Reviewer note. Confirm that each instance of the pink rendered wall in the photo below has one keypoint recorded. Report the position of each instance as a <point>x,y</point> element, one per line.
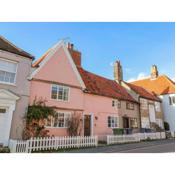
<point>58,69</point>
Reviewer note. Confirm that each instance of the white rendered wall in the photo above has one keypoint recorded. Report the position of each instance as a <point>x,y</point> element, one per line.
<point>169,111</point>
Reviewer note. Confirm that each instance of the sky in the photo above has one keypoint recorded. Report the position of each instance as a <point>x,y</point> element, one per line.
<point>136,45</point>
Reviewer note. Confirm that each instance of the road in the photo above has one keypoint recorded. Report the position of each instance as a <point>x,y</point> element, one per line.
<point>159,146</point>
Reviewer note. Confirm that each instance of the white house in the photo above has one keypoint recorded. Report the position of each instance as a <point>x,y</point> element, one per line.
<point>164,88</point>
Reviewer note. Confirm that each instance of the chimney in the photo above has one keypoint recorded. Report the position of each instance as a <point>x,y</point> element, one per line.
<point>76,55</point>
<point>118,72</point>
<point>154,72</point>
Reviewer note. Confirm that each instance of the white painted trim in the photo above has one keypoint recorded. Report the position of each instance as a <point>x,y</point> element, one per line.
<point>49,56</point>
<point>59,99</point>
<point>74,67</point>
<point>55,127</point>
<point>14,62</point>
<point>92,124</point>
<point>10,94</point>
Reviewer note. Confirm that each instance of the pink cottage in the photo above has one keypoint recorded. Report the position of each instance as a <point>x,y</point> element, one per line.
<point>102,103</point>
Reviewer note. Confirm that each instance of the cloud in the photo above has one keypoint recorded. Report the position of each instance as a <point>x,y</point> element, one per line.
<point>173,79</point>
<point>140,76</point>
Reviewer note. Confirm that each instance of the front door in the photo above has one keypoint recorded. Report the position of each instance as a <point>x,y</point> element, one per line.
<point>152,114</point>
<point>87,125</point>
<point>125,122</point>
<point>3,127</point>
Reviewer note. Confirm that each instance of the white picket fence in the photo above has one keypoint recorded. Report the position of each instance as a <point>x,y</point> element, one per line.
<point>137,137</point>
<point>49,143</point>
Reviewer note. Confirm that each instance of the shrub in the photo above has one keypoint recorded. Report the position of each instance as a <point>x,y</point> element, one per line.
<point>166,126</point>
<point>4,150</point>
<point>118,131</point>
<point>74,124</point>
<point>37,114</point>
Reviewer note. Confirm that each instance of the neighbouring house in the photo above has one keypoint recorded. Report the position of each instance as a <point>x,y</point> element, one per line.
<point>151,111</point>
<point>15,67</point>
<point>59,78</point>
<point>164,88</point>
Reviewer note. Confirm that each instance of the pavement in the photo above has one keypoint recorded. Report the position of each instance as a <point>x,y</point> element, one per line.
<point>158,146</point>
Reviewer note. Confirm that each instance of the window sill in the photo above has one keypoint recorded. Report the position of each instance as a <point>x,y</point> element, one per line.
<point>10,84</point>
<point>59,100</point>
<point>49,127</point>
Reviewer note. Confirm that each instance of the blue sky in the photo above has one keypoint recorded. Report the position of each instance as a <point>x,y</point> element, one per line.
<point>137,45</point>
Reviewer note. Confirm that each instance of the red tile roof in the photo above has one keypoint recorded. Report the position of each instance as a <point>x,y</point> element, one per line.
<point>98,85</point>
<point>160,86</point>
<point>143,93</point>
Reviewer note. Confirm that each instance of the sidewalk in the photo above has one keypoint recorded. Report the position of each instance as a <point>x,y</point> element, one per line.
<point>123,147</point>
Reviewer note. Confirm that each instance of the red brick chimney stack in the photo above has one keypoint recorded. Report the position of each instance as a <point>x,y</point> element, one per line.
<point>76,55</point>
<point>118,72</point>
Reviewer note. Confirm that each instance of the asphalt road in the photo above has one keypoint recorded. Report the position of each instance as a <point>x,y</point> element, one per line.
<point>159,146</point>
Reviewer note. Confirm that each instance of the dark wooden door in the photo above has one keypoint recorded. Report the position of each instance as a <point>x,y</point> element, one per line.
<point>87,125</point>
<point>125,122</point>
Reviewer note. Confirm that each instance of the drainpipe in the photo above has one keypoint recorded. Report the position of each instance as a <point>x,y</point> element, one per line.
<point>140,113</point>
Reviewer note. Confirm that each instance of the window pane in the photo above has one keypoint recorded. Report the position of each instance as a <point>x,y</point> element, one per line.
<point>60,93</point>
<point>2,75</point>
<point>8,66</point>
<point>60,120</point>
<point>65,95</point>
<point>54,92</point>
<point>173,100</point>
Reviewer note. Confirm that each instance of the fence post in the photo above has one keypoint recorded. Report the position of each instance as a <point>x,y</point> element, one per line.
<point>96,141</point>
<point>12,146</point>
<point>27,146</point>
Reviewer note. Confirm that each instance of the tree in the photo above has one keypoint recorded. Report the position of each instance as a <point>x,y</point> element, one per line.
<point>37,114</point>
<point>74,124</point>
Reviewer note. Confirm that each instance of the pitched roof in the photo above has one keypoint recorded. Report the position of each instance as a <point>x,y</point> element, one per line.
<point>98,85</point>
<point>9,47</point>
<point>160,86</point>
<point>37,62</point>
<point>143,92</point>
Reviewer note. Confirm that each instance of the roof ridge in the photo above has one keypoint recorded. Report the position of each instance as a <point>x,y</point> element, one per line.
<point>169,80</point>
<point>96,74</point>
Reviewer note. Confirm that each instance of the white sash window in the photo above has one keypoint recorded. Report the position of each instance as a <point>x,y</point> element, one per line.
<point>8,71</point>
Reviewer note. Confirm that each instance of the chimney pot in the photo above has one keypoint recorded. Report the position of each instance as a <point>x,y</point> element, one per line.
<point>154,72</point>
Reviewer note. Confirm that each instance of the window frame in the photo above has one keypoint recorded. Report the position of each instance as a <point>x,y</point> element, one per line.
<point>171,98</point>
<point>10,61</point>
<point>129,108</point>
<point>61,100</point>
<point>157,108</point>
<point>53,121</point>
<point>143,104</point>
<point>131,121</point>
<point>115,119</point>
<point>116,103</point>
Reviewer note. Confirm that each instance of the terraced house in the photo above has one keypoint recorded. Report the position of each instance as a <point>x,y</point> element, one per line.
<point>15,67</point>
<point>151,111</point>
<point>164,88</point>
<point>103,104</point>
